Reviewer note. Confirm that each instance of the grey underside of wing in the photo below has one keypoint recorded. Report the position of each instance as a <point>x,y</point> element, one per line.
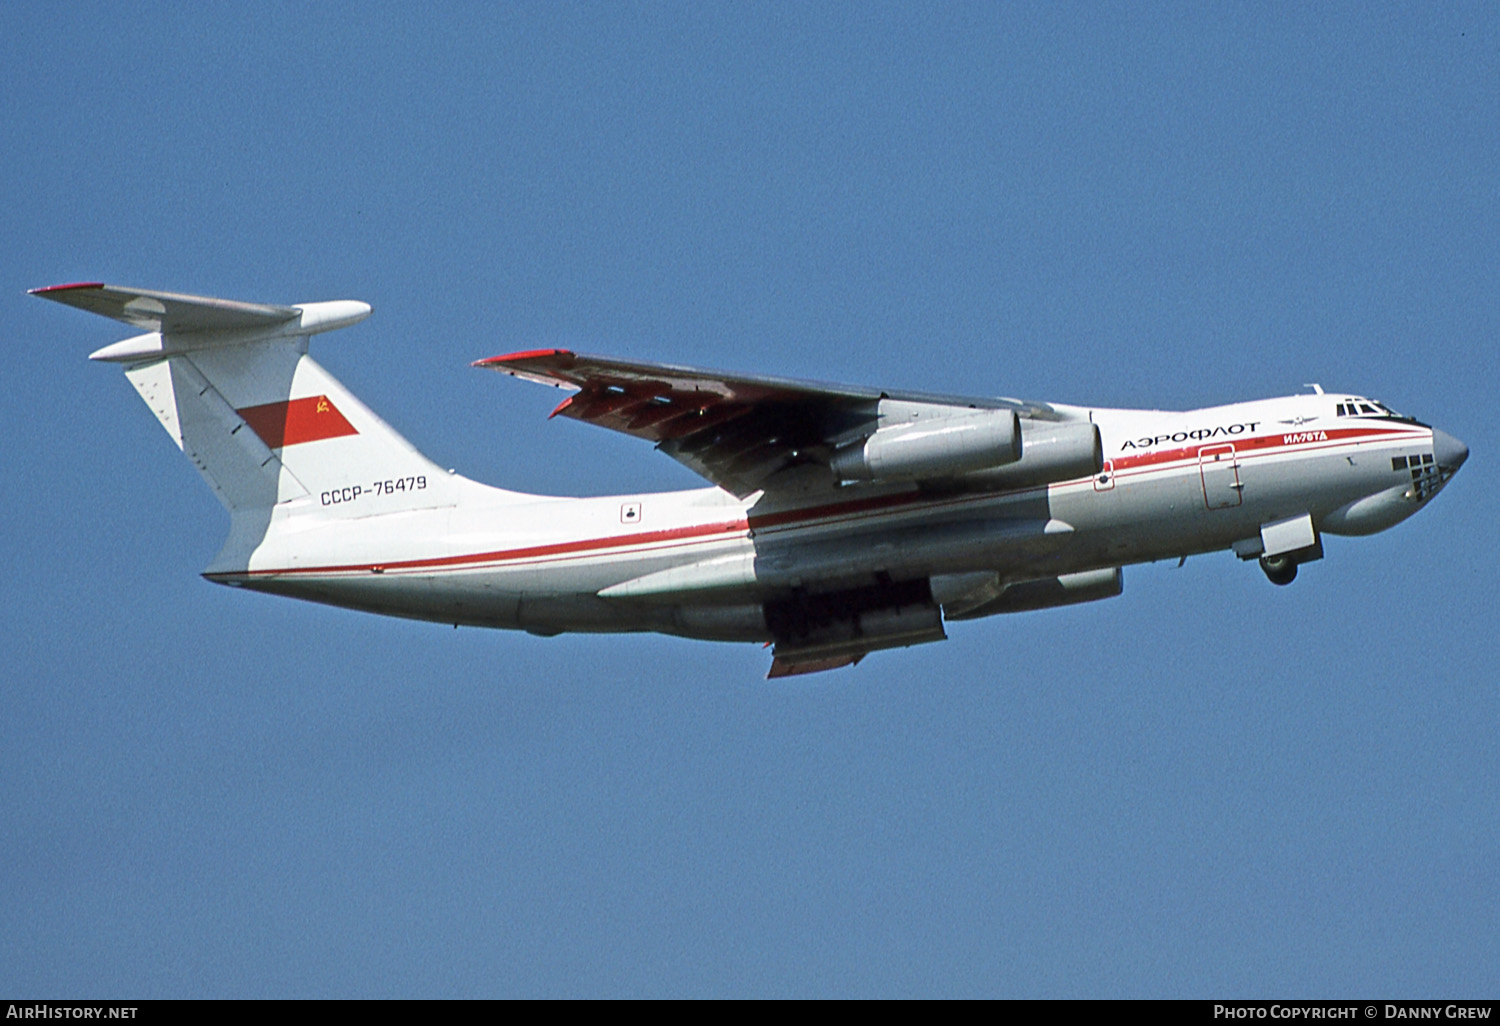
<point>814,390</point>
<point>744,453</point>
<point>736,430</point>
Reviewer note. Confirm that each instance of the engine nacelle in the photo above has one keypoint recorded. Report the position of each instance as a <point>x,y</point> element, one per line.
<point>1088,586</point>
<point>1050,451</point>
<point>942,447</point>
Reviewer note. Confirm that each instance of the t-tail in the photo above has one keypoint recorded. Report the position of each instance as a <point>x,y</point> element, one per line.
<point>276,437</point>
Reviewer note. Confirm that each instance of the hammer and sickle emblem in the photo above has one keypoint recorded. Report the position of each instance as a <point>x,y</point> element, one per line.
<point>322,404</point>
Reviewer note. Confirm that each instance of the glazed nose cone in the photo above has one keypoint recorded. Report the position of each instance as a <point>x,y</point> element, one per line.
<point>1449,452</point>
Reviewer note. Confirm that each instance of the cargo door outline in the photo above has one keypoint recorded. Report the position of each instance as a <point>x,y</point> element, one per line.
<point>1219,467</point>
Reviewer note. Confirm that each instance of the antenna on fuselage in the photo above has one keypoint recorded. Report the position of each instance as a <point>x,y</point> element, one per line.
<point>1314,386</point>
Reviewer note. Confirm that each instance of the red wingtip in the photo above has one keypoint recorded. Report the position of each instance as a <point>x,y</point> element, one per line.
<point>64,288</point>
<point>529,354</point>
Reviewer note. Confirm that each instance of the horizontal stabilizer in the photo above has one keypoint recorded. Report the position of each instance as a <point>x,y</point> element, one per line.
<point>166,312</point>
<point>179,323</point>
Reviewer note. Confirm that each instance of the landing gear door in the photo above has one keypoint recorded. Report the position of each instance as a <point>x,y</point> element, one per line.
<point>1221,476</point>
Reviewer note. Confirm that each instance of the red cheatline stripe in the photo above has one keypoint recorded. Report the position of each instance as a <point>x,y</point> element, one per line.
<point>297,420</point>
<point>1261,442</point>
<point>802,516</point>
<point>632,540</point>
<point>530,552</point>
<point>837,509</point>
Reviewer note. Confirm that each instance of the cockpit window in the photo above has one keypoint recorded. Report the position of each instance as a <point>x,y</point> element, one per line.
<point>1365,408</point>
<point>1361,407</point>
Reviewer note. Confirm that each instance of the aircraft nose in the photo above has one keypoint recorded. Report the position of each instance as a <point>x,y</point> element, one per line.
<point>1449,452</point>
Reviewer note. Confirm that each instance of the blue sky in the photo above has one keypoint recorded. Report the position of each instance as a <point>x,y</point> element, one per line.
<point>1207,787</point>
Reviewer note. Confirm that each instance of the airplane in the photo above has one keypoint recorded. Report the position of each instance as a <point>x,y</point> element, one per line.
<point>839,520</point>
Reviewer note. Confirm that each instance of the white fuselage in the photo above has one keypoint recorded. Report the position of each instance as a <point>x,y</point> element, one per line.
<point>702,563</point>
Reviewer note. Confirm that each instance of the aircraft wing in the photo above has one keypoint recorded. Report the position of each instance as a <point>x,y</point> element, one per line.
<point>736,430</point>
<point>166,311</point>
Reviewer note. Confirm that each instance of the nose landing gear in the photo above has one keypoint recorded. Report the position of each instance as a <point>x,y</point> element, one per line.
<point>1280,569</point>
<point>1283,545</point>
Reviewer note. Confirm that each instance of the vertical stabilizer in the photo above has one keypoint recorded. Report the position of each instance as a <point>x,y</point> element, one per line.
<point>267,427</point>
<point>235,461</point>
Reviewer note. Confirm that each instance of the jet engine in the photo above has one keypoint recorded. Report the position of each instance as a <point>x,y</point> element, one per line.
<point>1050,451</point>
<point>942,447</point>
<point>979,448</point>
